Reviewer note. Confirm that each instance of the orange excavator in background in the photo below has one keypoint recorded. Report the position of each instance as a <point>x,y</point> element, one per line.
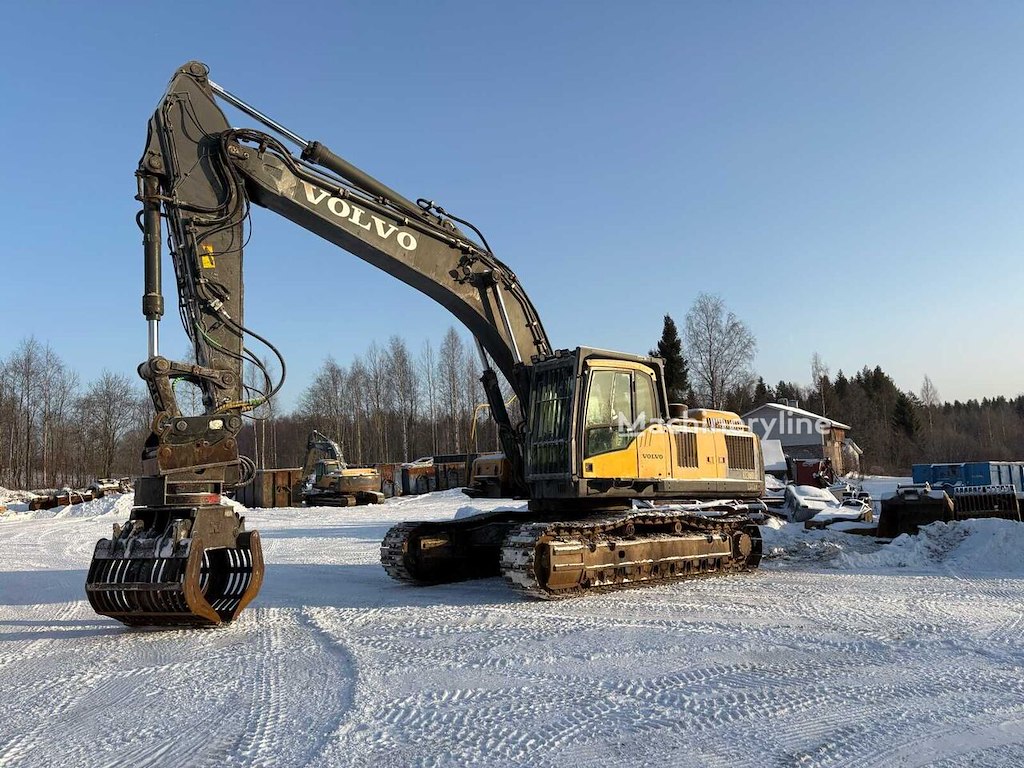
<point>624,487</point>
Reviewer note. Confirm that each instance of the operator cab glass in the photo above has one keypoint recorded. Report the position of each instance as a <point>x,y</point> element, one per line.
<point>611,415</point>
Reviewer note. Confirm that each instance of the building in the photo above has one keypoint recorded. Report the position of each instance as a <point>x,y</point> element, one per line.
<point>805,435</point>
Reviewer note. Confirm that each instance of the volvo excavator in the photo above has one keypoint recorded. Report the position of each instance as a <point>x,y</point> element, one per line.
<point>623,487</point>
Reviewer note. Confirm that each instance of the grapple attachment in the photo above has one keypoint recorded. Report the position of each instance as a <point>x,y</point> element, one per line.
<point>176,566</point>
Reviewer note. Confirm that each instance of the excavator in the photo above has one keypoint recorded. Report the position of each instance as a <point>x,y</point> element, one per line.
<point>333,483</point>
<point>488,475</point>
<point>623,487</point>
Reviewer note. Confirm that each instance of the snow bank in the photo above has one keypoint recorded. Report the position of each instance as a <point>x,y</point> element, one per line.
<point>971,546</point>
<point>788,544</point>
<point>7,496</point>
<point>113,504</point>
<point>988,546</point>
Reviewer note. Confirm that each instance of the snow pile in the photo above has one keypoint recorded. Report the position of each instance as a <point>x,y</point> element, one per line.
<point>790,543</point>
<point>113,504</point>
<point>972,546</point>
<point>7,496</point>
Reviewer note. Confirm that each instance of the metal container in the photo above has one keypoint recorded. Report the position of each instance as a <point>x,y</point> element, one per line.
<point>273,488</point>
<point>972,473</point>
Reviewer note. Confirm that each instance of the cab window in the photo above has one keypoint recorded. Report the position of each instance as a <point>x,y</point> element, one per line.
<point>609,412</point>
<point>644,397</point>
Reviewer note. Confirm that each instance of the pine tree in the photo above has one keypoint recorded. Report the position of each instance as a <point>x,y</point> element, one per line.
<point>904,417</point>
<point>762,393</point>
<point>841,385</point>
<point>677,374</point>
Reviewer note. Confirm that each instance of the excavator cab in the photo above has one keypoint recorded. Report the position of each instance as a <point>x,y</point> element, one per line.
<point>600,433</point>
<point>325,467</point>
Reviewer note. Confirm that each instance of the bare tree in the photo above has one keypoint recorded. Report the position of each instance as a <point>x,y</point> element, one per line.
<point>7,419</point>
<point>929,393</point>
<point>378,385</point>
<point>108,410</point>
<point>328,402</point>
<point>720,346</point>
<point>57,392</point>
<point>358,387</point>
<point>820,380</point>
<point>25,376</point>
<point>428,379</point>
<point>259,382</point>
<point>475,397</point>
<point>451,369</point>
<point>404,389</point>
<point>930,400</point>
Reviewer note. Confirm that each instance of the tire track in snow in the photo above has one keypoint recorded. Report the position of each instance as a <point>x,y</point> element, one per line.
<point>883,734</point>
<point>1002,597</point>
<point>827,667</point>
<point>300,678</point>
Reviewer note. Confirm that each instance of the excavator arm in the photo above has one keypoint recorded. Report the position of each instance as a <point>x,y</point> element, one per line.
<point>185,558</point>
<point>201,175</point>
<point>320,446</point>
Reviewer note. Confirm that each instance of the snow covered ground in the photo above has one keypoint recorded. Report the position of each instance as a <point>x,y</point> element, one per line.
<point>839,651</point>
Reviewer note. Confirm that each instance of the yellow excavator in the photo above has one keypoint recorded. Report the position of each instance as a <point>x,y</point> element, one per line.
<point>623,487</point>
<point>330,482</point>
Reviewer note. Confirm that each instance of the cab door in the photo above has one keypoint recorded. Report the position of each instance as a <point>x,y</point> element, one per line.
<point>654,454</point>
<point>609,448</point>
<point>623,434</point>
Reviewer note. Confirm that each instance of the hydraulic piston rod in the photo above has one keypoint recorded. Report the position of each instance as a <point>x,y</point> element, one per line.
<point>318,153</point>
<point>152,297</point>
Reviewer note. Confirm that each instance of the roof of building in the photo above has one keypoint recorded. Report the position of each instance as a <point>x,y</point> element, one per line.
<point>798,412</point>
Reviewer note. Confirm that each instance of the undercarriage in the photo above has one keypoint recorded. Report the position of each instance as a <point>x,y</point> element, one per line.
<point>554,558</point>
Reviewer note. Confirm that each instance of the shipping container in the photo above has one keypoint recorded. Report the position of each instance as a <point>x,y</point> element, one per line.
<point>972,473</point>
<point>437,473</point>
<point>273,488</point>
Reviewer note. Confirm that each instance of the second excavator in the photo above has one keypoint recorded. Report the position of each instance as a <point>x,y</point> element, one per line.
<point>623,487</point>
<point>330,482</point>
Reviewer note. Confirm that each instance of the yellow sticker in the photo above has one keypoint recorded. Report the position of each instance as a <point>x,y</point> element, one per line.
<point>206,259</point>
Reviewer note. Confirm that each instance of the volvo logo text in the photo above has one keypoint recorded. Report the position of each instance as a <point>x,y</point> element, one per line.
<point>343,209</point>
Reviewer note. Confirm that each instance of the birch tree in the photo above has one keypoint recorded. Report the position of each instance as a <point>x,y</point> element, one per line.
<point>721,349</point>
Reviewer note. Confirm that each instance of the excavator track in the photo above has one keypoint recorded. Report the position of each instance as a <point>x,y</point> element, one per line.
<point>328,499</point>
<point>444,551</point>
<point>558,559</point>
<point>393,549</point>
<point>567,559</point>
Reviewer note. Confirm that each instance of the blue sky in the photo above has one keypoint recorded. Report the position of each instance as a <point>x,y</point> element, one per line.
<point>847,176</point>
